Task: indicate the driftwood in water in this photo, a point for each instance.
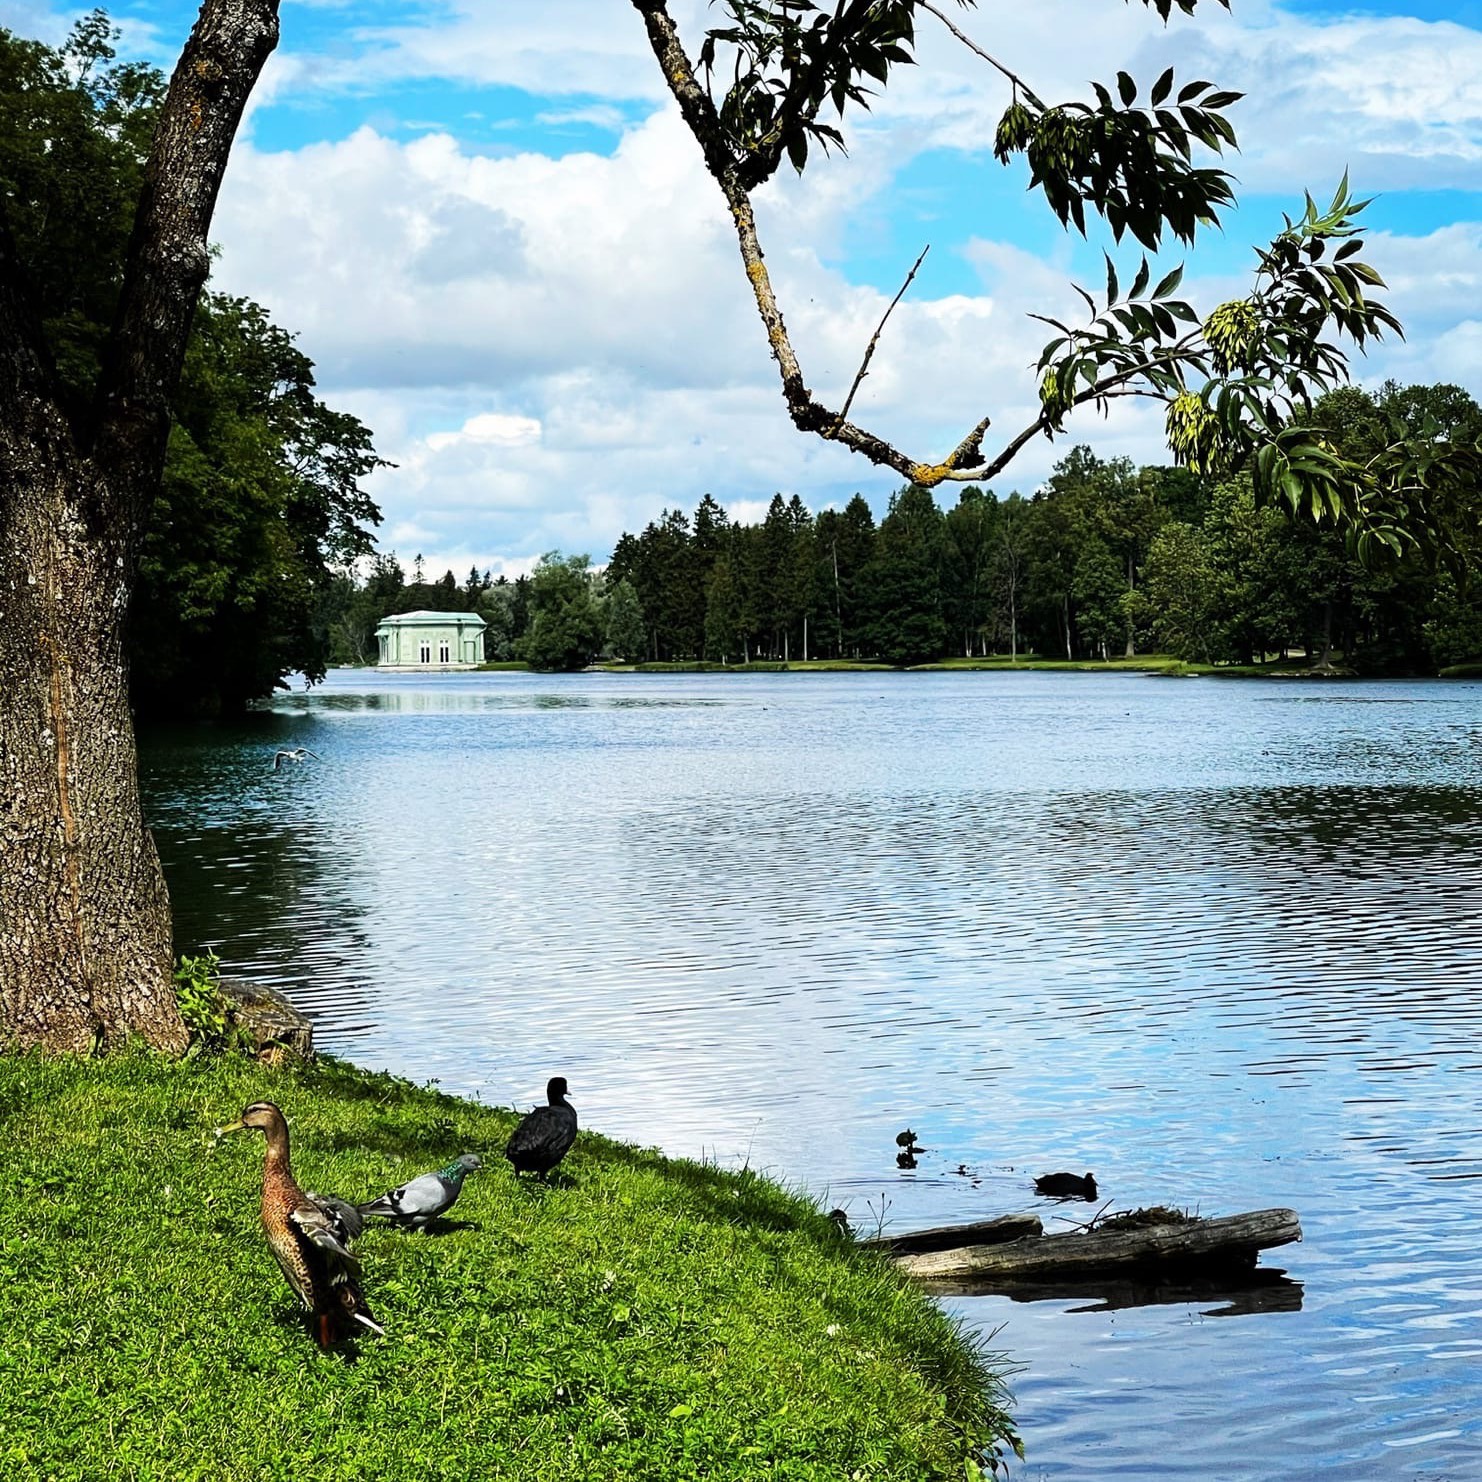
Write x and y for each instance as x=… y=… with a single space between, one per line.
x=1233 y=1240
x=952 y=1237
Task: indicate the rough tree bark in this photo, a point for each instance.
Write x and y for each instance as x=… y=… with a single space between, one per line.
x=85 y=948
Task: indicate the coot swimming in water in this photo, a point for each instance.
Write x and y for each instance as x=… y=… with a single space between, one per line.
x=1066 y=1185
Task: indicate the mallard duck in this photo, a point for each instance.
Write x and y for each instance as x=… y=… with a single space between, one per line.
x=420 y=1200
x=1066 y=1185
x=309 y=1235
x=546 y=1135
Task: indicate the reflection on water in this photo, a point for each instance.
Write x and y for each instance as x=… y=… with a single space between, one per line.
x=1234 y=1294
x=1215 y=942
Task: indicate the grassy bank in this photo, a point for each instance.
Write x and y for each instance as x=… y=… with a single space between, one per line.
x=645 y=1318
x=1028 y=663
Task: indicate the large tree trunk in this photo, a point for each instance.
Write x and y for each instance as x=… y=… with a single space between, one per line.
x=85 y=944
x=85 y=950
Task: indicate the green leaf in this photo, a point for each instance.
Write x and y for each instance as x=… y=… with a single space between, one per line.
x=1168 y=284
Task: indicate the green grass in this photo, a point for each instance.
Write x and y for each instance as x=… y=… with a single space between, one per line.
x=1144 y=664
x=518 y=666
x=642 y=1318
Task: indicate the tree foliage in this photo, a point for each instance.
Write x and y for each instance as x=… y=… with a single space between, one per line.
x=1240 y=383
x=261 y=495
x=565 y=622
x=1105 y=560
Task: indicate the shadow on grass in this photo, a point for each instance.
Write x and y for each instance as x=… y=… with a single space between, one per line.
x=435 y=1231
x=295 y=1320
x=437 y=1146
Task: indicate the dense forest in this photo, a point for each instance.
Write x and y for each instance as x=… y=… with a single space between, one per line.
x=1106 y=560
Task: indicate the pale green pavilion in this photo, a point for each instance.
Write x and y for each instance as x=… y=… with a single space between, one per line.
x=431 y=640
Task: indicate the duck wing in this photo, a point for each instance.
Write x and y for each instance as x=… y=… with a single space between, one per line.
x=323 y=1227
x=325 y=1230
x=345 y=1218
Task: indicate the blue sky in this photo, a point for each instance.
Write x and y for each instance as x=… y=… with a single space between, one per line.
x=498 y=244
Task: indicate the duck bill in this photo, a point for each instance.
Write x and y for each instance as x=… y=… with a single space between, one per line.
x=231 y=1127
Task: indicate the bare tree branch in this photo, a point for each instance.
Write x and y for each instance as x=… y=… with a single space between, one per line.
x=168 y=258
x=807 y=413
x=864 y=365
x=973 y=46
x=966 y=462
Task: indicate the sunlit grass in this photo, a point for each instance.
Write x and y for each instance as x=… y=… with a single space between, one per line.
x=641 y=1317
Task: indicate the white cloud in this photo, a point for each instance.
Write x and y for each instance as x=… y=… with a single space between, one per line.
x=1398 y=98
x=498 y=428
x=552 y=349
x=603 y=359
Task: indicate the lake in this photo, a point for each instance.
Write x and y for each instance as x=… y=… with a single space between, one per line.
x=1217 y=941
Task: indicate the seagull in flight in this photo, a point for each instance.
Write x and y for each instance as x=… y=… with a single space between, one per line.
x=296 y=755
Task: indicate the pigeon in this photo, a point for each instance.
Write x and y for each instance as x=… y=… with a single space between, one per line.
x=418 y=1202
x=296 y=755
x=1066 y=1185
x=546 y=1135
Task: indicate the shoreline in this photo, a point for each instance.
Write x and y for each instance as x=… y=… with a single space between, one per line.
x=1157 y=665
x=639 y=1316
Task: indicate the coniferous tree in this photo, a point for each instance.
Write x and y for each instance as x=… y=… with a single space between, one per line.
x=904 y=581
x=623 y=625
x=972 y=531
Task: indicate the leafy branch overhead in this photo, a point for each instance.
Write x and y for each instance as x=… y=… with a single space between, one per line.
x=774 y=81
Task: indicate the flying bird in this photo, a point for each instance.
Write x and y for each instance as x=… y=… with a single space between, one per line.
x=309 y=1235
x=296 y=755
x=546 y=1135
x=415 y=1204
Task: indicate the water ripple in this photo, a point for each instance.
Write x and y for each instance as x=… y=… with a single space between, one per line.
x=1216 y=942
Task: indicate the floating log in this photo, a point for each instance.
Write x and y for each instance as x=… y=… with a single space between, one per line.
x=1231 y=1241
x=951 y=1237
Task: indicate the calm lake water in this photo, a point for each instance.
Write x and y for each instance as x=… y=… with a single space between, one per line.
x=1219 y=942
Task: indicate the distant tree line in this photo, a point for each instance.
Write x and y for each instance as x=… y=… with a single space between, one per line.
x=1107 y=560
